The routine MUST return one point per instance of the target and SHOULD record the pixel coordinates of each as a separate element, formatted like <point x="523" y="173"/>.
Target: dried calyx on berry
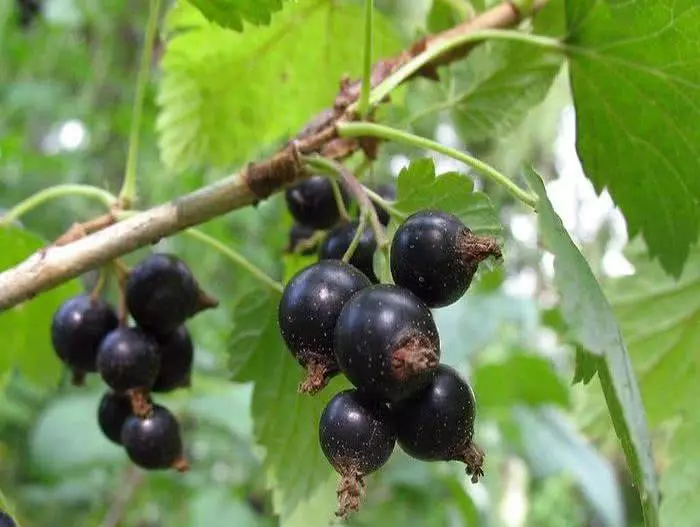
<point x="307" y="314"/>
<point x="435" y="255"/>
<point x="386" y="342"/>
<point x="357" y="438"/>
<point x="313" y="203"/>
<point x="338" y="241"/>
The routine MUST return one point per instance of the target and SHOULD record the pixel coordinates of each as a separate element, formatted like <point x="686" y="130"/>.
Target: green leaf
<point x="225" y="95"/>
<point x="593" y="325"/>
<point x="419" y="188"/>
<point x="636" y="85"/>
<point x="26" y="328"/>
<point x="680" y="481"/>
<point x="232" y="13"/>
<point x="519" y="380"/>
<point x="285" y="422"/>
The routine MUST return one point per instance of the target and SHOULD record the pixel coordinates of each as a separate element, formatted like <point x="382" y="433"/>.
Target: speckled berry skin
<point x="438" y="423"/>
<point x="426" y="260"/>
<point x="128" y="359"/>
<point x="311" y="304"/>
<point x="312" y="202"/>
<point x="78" y="327"/>
<point x="176" y="357"/>
<point x="375" y="323"/>
<point x="112" y="413"/>
<point x="339" y="239"/>
<point x="153" y="442"/>
<point x="355" y="433"/>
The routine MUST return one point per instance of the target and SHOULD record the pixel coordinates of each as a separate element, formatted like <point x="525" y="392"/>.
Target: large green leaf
<point x="593" y="325"/>
<point x="636" y="84"/>
<point x="26" y="328"/>
<point x="224" y="95"/>
<point x="232" y="13"/>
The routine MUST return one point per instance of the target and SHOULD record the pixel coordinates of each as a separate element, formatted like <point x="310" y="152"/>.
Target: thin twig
<point x="132" y="479"/>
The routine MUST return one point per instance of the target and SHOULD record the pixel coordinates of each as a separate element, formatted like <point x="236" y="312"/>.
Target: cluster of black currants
<point x="384" y="339"/>
<point x="154" y="355"/>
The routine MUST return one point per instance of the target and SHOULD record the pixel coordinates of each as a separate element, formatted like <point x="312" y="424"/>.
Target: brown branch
<point x="57" y="264"/>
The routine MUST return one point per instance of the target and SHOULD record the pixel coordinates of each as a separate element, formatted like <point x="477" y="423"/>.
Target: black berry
<point x="112" y="413"/>
<point x="176" y="357"/>
<point x="312" y="202"/>
<point x="154" y="442"/>
<point x="6" y="520"/>
<point x="78" y="327"/>
<point x="300" y="238"/>
<point x="386" y="342"/>
<point x="357" y="438"/>
<point x="338" y="241"/>
<point x="308" y="310"/>
<point x="438" y="423"/>
<point x="388" y="192"/>
<point x="435" y="256"/>
<point x="128" y="361"/>
<point x="161" y="293"/>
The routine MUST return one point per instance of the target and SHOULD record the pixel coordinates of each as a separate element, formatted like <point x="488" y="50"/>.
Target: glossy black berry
<point x="300" y="240"/>
<point x="386" y="342"/>
<point x="339" y="239"/>
<point x="154" y="442"/>
<point x="435" y="256"/>
<point x="128" y="360"/>
<point x="312" y="202"/>
<point x="357" y="438"/>
<point x="176" y="357"/>
<point x="161" y="293"/>
<point x="308" y="311"/>
<point x="438" y="423"/>
<point x="388" y="192"/>
<point x="78" y="327"/>
<point x="6" y="520"/>
<point x="112" y="413"/>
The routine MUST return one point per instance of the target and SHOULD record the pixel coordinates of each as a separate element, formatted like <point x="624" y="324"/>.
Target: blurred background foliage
<point x="66" y="90"/>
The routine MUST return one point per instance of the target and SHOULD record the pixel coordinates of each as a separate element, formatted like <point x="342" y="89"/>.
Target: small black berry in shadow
<point x="339" y="239"/>
<point x="312" y="202"/>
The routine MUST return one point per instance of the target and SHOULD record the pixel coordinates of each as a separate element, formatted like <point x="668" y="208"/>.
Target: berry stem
<point x="122" y="272"/>
<point x="365" y="129"/>
<point x="338" y="195"/>
<point x="356" y="239"/>
<point x="57" y="191"/>
<point x="386" y="205"/>
<point x="363" y="103"/>
<point x="127" y="195"/>
<point x="99" y="285"/>
<point x="236" y="258"/>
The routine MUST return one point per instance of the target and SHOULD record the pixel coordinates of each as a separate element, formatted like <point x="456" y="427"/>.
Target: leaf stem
<point x="57" y="191"/>
<point x="366" y="86"/>
<point x="127" y="195"/>
<point x="236" y="258"/>
<point x="392" y="134"/>
<point x="339" y="201"/>
<point x="356" y="239"/>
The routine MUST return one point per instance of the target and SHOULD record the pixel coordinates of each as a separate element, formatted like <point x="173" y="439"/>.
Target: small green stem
<point x="392" y="134"/>
<point x="386" y="205"/>
<point x="339" y="201"/>
<point x="236" y="258"/>
<point x="444" y="46"/>
<point x="366" y="86"/>
<point x="57" y="191"/>
<point x="127" y="195"/>
<point x="356" y="239"/>
<point x="462" y="8"/>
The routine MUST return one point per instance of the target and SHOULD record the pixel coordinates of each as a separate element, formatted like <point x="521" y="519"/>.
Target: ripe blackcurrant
<point x="154" y="442"/>
<point x="112" y="413"/>
<point x="6" y="520"/>
<point x="300" y="240"/>
<point x="312" y="202"/>
<point x="357" y="438"/>
<point x="78" y="327"/>
<point x="176" y="357"/>
<point x="438" y="423"/>
<point x="161" y="293"/>
<point x="128" y="361"/>
<point x="307" y="314"/>
<point x="386" y="342"/>
<point x="338" y="241"/>
<point x="388" y="192"/>
<point x="435" y="256"/>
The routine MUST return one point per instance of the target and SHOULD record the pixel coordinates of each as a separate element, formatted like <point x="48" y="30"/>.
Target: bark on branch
<point x="47" y="269"/>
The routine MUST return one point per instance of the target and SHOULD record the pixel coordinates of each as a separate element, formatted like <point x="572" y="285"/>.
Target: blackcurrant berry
<point x="308" y="310"/>
<point x="128" y="361"/>
<point x="386" y="342"/>
<point x="161" y="293"/>
<point x="300" y="240"/>
<point x="312" y="202"/>
<point x="154" y="442"/>
<point x="112" y="413"/>
<point x="357" y="438"/>
<point x="435" y="256"/>
<point x="78" y="327"/>
<point x="176" y="357"/>
<point x="338" y="241"/>
<point x="6" y="520"/>
<point x="438" y="423"/>
<point x="388" y="192"/>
